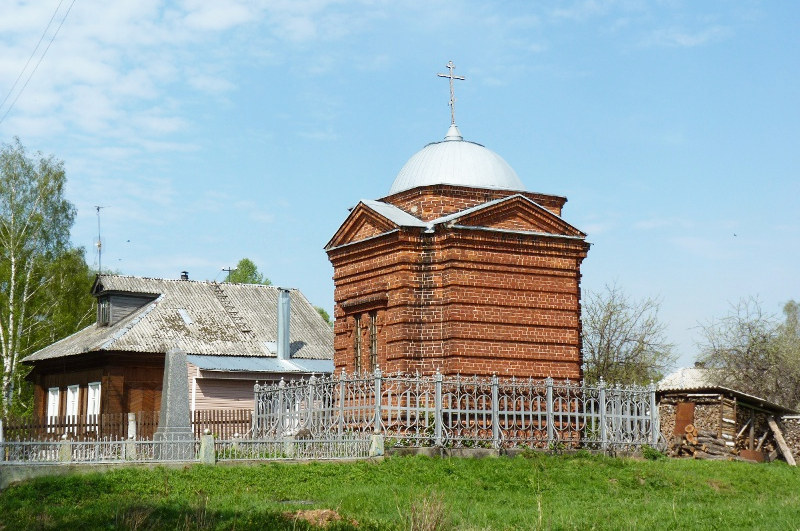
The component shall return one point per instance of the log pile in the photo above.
(700, 444)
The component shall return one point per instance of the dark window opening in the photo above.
(373, 341)
(357, 345)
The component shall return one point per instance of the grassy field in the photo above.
(534, 492)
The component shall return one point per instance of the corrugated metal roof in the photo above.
(246, 328)
(260, 364)
(700, 379)
(394, 214)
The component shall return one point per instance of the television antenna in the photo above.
(99, 243)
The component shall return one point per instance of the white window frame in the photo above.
(93, 403)
(53, 403)
(72, 400)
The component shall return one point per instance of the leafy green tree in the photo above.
(623, 339)
(35, 220)
(752, 351)
(324, 314)
(246, 272)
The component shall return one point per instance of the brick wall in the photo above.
(460, 300)
(431, 202)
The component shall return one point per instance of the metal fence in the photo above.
(346, 447)
(461, 412)
(184, 450)
(96, 452)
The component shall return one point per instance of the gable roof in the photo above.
(355, 229)
(201, 318)
(699, 379)
(547, 223)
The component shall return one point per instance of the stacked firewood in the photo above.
(700, 444)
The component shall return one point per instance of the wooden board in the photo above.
(684, 415)
(776, 431)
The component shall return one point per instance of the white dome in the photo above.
(458, 162)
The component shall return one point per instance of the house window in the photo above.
(93, 403)
(373, 341)
(357, 345)
(53, 396)
(72, 400)
(103, 311)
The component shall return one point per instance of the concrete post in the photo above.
(376, 445)
(207, 454)
(132, 426)
(174, 432)
(65, 449)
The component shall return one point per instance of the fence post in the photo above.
(256, 410)
(495, 413)
(377, 426)
(65, 449)
(281, 386)
(1, 431)
(341, 401)
(437, 409)
(312, 383)
(132, 426)
(549, 396)
(654, 422)
(602, 399)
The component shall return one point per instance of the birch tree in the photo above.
(35, 220)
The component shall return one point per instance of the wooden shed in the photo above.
(728, 421)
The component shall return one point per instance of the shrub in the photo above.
(648, 452)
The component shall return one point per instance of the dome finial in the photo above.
(451, 77)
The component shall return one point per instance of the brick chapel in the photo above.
(458, 269)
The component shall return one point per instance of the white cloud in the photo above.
(679, 38)
(218, 15)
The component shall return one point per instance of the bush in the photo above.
(648, 452)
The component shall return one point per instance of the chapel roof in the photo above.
(459, 162)
(200, 318)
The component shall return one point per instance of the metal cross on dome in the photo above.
(451, 67)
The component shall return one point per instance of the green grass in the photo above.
(538, 492)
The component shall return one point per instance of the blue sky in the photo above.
(212, 131)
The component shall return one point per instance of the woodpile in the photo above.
(700, 444)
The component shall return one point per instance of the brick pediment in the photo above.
(514, 213)
(362, 223)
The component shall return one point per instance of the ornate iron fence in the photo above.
(37, 452)
(461, 412)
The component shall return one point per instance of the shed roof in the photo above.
(202, 318)
(699, 379)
